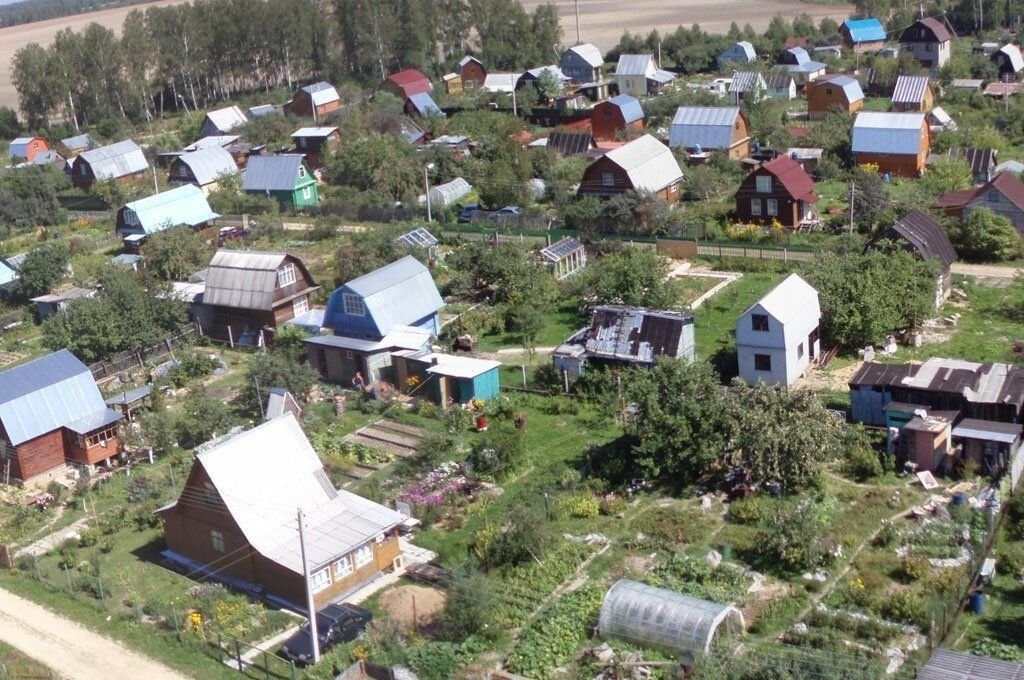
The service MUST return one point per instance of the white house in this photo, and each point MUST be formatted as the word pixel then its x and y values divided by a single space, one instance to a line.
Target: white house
pixel 777 338
pixel 638 75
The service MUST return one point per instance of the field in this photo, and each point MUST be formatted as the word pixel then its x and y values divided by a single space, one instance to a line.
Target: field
pixel 603 21
pixel 14 38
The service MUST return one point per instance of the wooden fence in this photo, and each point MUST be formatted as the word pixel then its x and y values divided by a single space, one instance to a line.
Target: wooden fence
pixel 136 359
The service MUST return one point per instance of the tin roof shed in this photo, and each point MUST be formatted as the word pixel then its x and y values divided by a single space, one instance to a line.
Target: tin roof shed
pixel 888 133
pixel 244 279
pixel 182 206
pixel 321 93
pixel 865 30
pixel 706 127
pixel 116 160
pixel 224 120
pixel 910 89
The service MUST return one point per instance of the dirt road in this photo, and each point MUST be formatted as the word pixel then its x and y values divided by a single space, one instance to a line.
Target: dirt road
pixel 70 649
pixel 988 271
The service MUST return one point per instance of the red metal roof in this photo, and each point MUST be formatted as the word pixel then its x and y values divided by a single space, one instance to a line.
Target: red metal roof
pixel 793 177
pixel 411 82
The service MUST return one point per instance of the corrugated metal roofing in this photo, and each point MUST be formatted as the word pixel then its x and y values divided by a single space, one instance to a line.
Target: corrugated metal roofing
pixel 888 133
pixel 967 83
pixel 48 157
pixel 982 161
pixel 800 55
pixel 316 132
pixel 707 127
pixel 872 373
pixel 850 86
pixel 1013 54
pixel 747 81
pixel 243 279
pixel 635 334
pixel 806 67
pixel 742 48
pixel 79 142
pixel 946 664
pixel 410 82
pixel 635 65
pixel 272 173
pixel 788 299
pixel 226 119
pixel 865 30
pixel 588 53
pixel 222 141
pixel 455 366
pixel 560 249
pixel 553 69
pixel 425 105
pixel 649 164
pixel 570 143
pixel 397 294
pixel 46 394
pixel 926 236
pixel 184 205
pixel 321 93
pixel 629 106
pixel 779 81
pixel 262 110
pixel 208 165
pixel 467 59
pixel 116 160
pixel 987 430
pixel 910 89
pixel 501 82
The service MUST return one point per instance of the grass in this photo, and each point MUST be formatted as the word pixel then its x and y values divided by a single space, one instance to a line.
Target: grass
pixel 1003 618
pixel 15 665
pixel 558 326
pixel 715 320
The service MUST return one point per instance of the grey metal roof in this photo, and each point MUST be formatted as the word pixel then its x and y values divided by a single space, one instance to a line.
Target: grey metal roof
pixel 800 55
pixel 649 164
pixel 747 81
pixel 226 119
pixel 946 664
pixel 321 93
pixel 46 394
pixel 243 279
pixel 987 430
pixel 742 49
pixel 926 236
pixel 279 402
pixel 116 160
pixel 18 148
pixel 397 294
pixel 418 237
pixel 183 205
pixel 788 299
pixel 910 89
pixel 272 173
pixel 707 127
pixel 850 86
pixel 130 396
pixel 588 53
pixel 315 132
pixel 212 140
pixel 82 141
pixel 888 133
pixel 806 67
pixel 93 421
pixel 425 104
pixel 560 249
pixel 262 110
pixel 1014 56
pixel 208 164
pixel 635 65
pixel 629 106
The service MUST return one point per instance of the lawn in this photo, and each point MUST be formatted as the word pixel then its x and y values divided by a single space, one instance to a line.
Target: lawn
pixel 716 319
pixel 15 665
pixel 558 326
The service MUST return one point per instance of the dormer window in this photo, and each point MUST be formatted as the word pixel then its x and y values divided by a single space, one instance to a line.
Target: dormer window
pixel 286 275
pixel 354 304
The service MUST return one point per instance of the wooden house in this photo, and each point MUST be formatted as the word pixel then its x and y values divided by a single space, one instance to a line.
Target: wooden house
pixel 780 190
pixel 25 149
pixel 741 52
pixel 913 93
pixel 833 93
pixel 702 129
pixel 285 178
pixel 405 84
pixel 1003 195
pixel 1009 61
pixel 898 143
pixel 52 414
pixel 929 42
pixel 222 121
pixel 615 115
pixel 235 521
pixel 182 206
pixel 447 379
pixel 582 63
pixel 250 294
pixel 204 168
pixel 638 75
pixel 919 233
pixel 781 86
pixel 472 72
pixel 452 83
pixel 777 338
pixel 747 86
pixel 120 161
pixel 644 164
pixel 863 35
pixel 311 142
pixel 314 101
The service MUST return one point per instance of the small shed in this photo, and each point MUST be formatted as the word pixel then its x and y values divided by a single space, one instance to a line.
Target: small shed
pixel 1008 60
pixel 279 402
pixel 56 303
pixel 423 105
pixel 946 664
pixel 662 619
pixel 912 93
pixel 130 401
pixel 450 192
pixel 26 148
pixel 565 257
pixel 450 378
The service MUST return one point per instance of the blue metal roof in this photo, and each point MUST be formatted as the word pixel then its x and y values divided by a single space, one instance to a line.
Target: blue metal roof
pixel 425 105
pixel 46 394
pixel 630 107
pixel 8 272
pixel 865 30
pixel 184 205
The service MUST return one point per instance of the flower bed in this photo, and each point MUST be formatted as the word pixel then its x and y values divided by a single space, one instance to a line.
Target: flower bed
pixel 440 486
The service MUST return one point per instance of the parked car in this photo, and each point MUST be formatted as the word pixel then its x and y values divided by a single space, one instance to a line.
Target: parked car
pixel 335 624
pixel 466 214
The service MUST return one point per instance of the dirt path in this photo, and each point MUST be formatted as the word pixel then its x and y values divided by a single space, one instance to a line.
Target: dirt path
pixel 988 271
pixel 70 649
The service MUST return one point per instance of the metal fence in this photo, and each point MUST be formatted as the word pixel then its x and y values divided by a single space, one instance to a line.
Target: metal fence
pixel 756 252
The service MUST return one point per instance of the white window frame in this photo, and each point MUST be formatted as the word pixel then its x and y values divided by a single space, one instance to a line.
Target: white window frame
pixel 607 179
pixel 217 541
pixel 772 207
pixel 300 305
pixel 755 207
pixel 286 275
pixel 302 171
pixel 354 305
pixel 319 580
pixel 763 184
pixel 343 567
pixel 363 555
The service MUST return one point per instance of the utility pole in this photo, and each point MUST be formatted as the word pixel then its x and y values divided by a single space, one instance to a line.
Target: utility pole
pixel 313 634
pixel 578 38
pixel 853 192
pixel 514 111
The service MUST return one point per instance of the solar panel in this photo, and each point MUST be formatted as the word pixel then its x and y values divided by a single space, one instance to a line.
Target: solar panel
pixel 419 237
pixel 563 248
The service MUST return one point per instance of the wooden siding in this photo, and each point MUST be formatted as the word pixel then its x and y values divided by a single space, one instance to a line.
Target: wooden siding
pixel 36 456
pixel 302 106
pixel 593 182
pixel 473 75
pixel 924 106
pixel 825 97
pixel 901 165
pixel 90 455
pixel 606 121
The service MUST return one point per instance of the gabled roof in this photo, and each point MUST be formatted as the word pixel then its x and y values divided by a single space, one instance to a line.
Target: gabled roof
pixel 799 54
pixel 629 106
pixel 227 119
pixel 744 47
pixel 410 82
pixel 926 237
pixel 707 127
pixel 635 65
pixel 982 161
pixel 930 24
pixel 116 160
pixel 560 249
pixel 82 141
pixel 648 163
pixel 806 67
pixel 888 133
pixel 466 60
pixel 184 205
pixel 939 116
pixel 788 299
pixel 792 176
pixel 208 164
pixel 778 81
pixel 850 86
pixel 633 334
pixel 570 143
pixel 273 173
pixel 49 393
pixel 588 53
pixel 747 81
pixel 19 147
pixel 223 141
pixel 501 82
pixel 262 110
pixel 315 132
pixel 910 89
pixel 1005 182
pixel 865 30
pixel 265 474
pixel 424 105
pixel 321 93
pixel 245 279
pixel 1012 53
pixel 397 294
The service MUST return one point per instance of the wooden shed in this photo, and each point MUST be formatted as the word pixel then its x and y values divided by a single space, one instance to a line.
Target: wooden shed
pixel 834 93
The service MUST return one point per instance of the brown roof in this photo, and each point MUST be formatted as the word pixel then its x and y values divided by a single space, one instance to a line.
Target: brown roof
pixel 871 373
pixel 925 236
pixel 570 143
pixel 793 177
pixel 937 28
pixel 1006 182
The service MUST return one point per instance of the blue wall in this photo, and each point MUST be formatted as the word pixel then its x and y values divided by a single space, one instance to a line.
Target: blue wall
pixel 486 385
pixel 349 325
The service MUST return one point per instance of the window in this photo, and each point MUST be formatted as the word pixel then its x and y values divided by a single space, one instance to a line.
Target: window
pixel 302 145
pixel 993 197
pixel 286 275
pixel 307 193
pixel 755 207
pixel 364 555
pixel 800 351
pixel 300 305
pixel 217 541
pixel 302 171
pixel 348 354
pixel 212 498
pixel 828 91
pixel 608 179
pixel 607 112
pixel 759 322
pixel 343 567
pixel 354 304
pixel 101 437
pixel 764 184
pixel 762 362
pixel 319 580
pixel 773 206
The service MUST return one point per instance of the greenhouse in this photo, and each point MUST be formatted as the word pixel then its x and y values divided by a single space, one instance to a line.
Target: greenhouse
pixel 654 617
pixel 446 194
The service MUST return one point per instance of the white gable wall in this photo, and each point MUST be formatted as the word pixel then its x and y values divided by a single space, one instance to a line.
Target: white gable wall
pixel 782 342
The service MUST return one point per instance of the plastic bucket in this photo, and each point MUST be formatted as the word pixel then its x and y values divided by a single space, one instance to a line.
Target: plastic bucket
pixel 977 601
pixel 958 498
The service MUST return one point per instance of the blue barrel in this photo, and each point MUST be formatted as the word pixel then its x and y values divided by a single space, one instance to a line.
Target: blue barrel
pixel 978 603
pixel 958 498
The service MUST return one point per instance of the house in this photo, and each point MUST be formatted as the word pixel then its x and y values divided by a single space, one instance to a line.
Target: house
pixel 240 500
pixel 615 115
pixel 863 35
pixel 898 143
pixel 182 206
pixel 445 378
pixel 833 93
pixel 1009 61
pixel 203 168
pixel 565 257
pixel 747 86
pixel 285 177
pixel 241 151
pixel 57 303
pixel 570 143
pixel 1003 195
pixel 472 72
pixel 312 141
pixel 249 294
pixel 314 101
pixel 981 161
pixel 798 63
pixel 405 84
pixel 502 83
pixel 919 233
pixel 779 190
pixel 912 93
pixel 52 414
pixel 778 336
pixel 638 75
pixel 79 143
pixel 741 52
pixel 626 336
pixel 222 121
pixel 644 164
pixel 582 63
pixel 529 77
pixel 25 149
pixel 701 129
pixel 120 161
pixel 781 86
pixel 423 105
pixel 929 42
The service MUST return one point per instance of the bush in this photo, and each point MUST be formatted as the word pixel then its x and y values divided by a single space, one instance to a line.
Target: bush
pixel 500 453
pixel 862 464
pixel 887 536
pixel 1015 517
pixel 667 524
pixel 581 505
pixel 191 365
pixel 915 568
pixel 904 606
pixel 749 510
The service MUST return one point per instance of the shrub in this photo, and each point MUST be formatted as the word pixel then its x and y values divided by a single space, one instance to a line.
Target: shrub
pixel 667 524
pixel 996 650
pixel 904 606
pixel 887 535
pixel 1015 517
pixel 612 505
pixel 862 464
pixel 791 536
pixel 191 365
pixel 749 510
pixel 581 505
pixel 500 453
pixel 915 568
pixel 88 537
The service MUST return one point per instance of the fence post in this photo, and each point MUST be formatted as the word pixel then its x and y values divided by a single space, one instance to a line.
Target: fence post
pixel 103 596
pixel 35 559
pixel 785 255
pixel 238 655
pixel 68 574
pixel 292 665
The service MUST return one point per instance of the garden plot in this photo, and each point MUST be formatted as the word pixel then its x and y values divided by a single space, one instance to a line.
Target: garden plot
pixel 398 438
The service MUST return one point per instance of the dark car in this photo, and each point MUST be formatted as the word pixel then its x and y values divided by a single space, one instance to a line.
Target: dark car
pixel 335 624
pixel 466 214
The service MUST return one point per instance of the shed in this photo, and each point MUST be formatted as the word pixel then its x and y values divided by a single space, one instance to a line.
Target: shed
pixel 79 143
pixel 283 177
pixel 182 206
pixel 449 193
pixel 203 168
pixel 570 143
pixel 423 105
pixel 55 303
pixel 565 257
pixel 898 143
pixel 1008 60
pixel 501 82
pixel 912 93
pixel 747 86
pixel 834 93
pixel 945 664
pixel 27 148
pixel 711 128
pixel 449 378
pixel 741 52
pixel 968 84
pixel 982 161
pixel 472 72
pixel 863 35
pixel 222 121
pixel 940 120
pixel 262 110
pixel 639 75
pixel 314 100
pixel 919 233
pixel 404 84
pixel 279 402
pixel 664 620
pixel 116 161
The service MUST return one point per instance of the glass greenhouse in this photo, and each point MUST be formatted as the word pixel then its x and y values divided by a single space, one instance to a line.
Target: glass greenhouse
pixel 658 618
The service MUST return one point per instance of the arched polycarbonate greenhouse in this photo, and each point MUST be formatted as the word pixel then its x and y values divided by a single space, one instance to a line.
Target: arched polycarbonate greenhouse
pixel 654 617
pixel 448 193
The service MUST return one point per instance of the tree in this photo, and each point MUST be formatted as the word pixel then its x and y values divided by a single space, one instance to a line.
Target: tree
pixel 10 126
pixel 548 85
pixel 28 198
pixel 637 212
pixel 43 269
pixel 632 276
pixel 871 202
pixel 175 254
pixel 366 251
pixel 985 237
pixel 275 369
pixel 500 453
pixel 947 174
pixel 202 418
